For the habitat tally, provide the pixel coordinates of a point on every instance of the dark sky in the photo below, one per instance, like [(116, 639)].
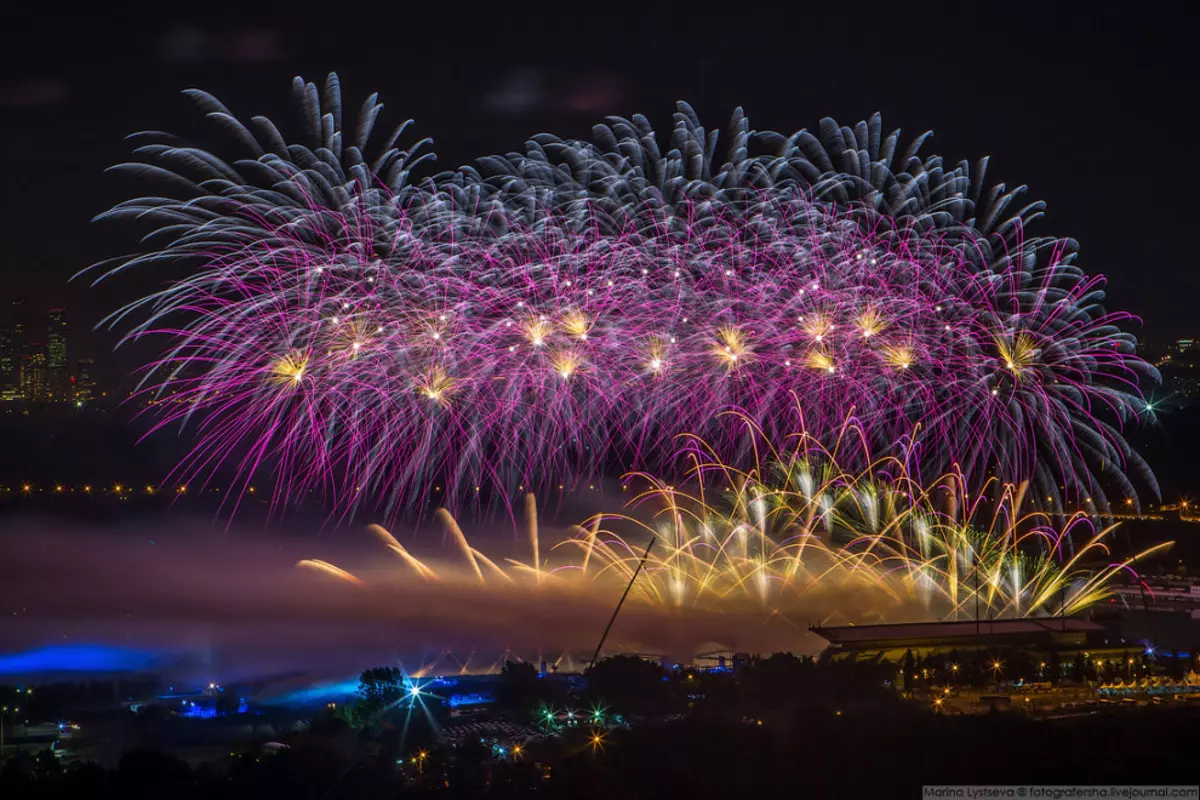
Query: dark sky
[(1094, 113)]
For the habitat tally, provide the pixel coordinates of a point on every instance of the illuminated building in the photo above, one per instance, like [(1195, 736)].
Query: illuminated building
[(891, 642), (34, 375), (1185, 344), (8, 361), (1180, 377), (20, 326), (85, 380), (1164, 594), (58, 375), (1184, 385), (13, 335)]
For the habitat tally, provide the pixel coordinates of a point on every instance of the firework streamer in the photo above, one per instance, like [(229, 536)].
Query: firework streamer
[(395, 345)]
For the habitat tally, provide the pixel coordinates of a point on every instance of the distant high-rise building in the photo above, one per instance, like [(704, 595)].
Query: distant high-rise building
[(8, 359), (34, 377), (12, 349), (85, 380), (19, 321), (58, 371), (1185, 344)]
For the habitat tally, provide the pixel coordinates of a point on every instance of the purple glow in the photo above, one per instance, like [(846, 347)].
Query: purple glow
[(399, 347)]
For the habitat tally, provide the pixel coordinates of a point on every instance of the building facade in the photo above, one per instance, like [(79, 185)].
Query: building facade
[(85, 380), (35, 386), (9, 364), (14, 336), (58, 373)]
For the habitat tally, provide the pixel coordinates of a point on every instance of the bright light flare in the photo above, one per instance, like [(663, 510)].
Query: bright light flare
[(576, 324), (289, 370), (871, 323), (436, 385), (537, 330), (566, 363), (820, 360), (731, 346), (1018, 353), (899, 356)]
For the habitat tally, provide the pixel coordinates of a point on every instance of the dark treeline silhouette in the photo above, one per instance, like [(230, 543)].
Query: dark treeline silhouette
[(63, 699), (818, 754)]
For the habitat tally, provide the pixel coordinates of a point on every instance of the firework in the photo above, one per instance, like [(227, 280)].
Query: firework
[(796, 527), (571, 309)]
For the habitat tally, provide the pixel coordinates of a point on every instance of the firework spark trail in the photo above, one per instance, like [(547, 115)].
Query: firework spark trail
[(393, 346), (329, 569), (795, 526)]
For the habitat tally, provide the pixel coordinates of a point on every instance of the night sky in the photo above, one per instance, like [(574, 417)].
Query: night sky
[(1094, 114)]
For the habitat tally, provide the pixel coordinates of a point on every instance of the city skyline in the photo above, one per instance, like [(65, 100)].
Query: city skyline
[(37, 362)]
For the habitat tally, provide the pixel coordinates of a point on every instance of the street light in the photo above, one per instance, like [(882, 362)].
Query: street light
[(4, 712)]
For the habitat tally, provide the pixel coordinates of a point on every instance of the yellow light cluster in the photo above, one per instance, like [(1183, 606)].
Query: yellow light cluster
[(871, 323), (576, 324), (566, 363), (656, 356), (731, 346), (817, 326), (899, 356), (1018, 352), (818, 359), (537, 330), (289, 369), (436, 385)]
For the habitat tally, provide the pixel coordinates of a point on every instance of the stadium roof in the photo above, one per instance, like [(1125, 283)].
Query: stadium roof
[(966, 629)]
